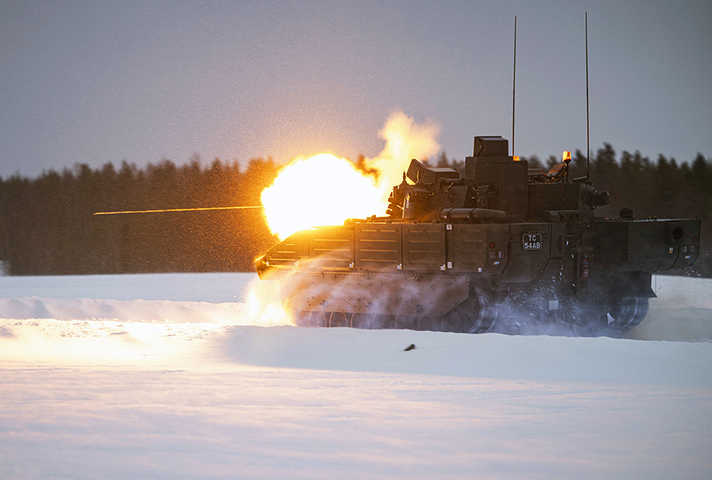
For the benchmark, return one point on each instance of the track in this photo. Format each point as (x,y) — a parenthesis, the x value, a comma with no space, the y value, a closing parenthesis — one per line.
(480,315)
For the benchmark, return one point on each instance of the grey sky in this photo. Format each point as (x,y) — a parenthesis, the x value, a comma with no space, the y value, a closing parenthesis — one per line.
(93,82)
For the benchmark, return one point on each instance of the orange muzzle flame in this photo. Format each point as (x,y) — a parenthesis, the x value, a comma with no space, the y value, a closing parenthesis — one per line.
(327,190)
(321,190)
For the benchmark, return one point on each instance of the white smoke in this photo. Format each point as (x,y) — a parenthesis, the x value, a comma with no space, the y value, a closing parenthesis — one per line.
(405,140)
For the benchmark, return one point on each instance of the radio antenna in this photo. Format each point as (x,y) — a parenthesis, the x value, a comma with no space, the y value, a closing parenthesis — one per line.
(588,149)
(514,79)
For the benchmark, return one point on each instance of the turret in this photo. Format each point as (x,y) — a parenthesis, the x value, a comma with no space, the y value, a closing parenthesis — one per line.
(431,191)
(496,188)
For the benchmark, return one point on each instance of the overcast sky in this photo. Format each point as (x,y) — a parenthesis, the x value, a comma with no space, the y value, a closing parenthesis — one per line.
(96,82)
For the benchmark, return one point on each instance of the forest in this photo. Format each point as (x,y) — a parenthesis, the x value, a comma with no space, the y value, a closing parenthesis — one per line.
(47,226)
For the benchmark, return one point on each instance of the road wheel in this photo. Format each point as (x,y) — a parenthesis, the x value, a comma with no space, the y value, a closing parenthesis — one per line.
(625,314)
(477,314)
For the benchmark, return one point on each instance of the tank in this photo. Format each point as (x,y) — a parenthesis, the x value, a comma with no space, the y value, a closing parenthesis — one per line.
(504,249)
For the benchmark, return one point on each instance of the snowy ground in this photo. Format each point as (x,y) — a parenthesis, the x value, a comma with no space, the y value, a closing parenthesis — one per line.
(173,376)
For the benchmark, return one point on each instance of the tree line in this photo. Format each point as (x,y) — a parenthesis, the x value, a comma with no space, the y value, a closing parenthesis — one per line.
(47,226)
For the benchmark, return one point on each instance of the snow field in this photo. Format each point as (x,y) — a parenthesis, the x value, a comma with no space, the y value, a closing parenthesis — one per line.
(122,377)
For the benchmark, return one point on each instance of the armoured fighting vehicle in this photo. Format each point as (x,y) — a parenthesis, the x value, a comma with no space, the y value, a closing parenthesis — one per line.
(503,248)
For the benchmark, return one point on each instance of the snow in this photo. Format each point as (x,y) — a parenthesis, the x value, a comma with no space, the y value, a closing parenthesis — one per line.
(176,376)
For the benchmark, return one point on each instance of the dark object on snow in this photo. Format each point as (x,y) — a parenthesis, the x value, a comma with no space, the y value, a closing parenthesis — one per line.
(502,249)
(409,347)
